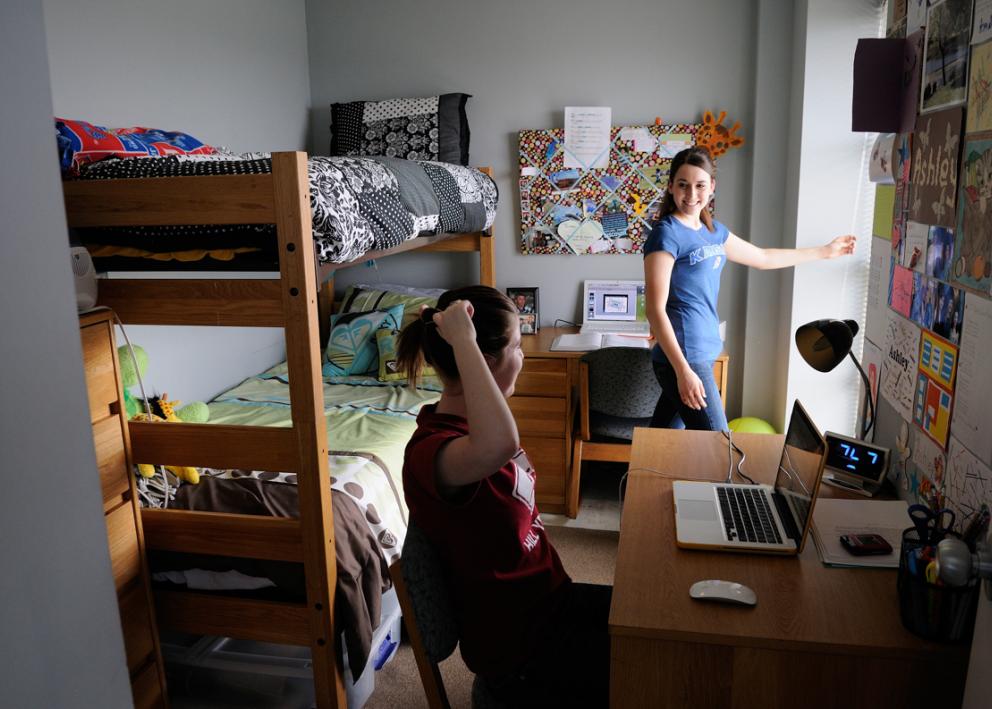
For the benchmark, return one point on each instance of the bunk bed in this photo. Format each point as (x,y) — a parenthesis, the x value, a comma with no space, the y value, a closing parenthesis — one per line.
(299,301)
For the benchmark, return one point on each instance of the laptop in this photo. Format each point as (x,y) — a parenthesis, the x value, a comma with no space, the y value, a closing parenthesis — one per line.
(757,518)
(614,306)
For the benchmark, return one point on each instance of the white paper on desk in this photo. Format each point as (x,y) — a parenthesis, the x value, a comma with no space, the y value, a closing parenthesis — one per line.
(833,517)
(587,136)
(590,341)
(877,315)
(972,420)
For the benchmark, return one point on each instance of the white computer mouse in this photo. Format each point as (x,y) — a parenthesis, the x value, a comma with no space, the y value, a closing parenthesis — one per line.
(723,592)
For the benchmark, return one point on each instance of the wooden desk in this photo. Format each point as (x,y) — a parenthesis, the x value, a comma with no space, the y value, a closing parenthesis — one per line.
(818,637)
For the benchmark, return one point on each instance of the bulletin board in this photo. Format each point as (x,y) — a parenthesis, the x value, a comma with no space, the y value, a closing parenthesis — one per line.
(601,210)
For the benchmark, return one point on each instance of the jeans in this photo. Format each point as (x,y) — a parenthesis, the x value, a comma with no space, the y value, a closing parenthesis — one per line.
(670,407)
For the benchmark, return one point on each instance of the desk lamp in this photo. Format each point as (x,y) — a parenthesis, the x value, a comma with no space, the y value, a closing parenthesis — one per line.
(824,344)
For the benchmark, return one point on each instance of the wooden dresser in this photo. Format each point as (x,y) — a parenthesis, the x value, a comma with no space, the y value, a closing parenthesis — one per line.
(543,404)
(121,510)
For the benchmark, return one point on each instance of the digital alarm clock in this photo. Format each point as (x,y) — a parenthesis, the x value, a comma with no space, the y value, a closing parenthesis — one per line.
(855,465)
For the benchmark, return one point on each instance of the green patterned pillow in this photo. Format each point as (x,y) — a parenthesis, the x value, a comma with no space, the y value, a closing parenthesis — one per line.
(351,348)
(388,371)
(364,298)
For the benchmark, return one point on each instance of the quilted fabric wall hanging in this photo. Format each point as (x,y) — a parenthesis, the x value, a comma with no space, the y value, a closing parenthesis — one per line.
(596,211)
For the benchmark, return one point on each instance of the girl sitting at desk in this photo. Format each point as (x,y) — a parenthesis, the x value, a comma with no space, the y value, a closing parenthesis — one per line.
(683,258)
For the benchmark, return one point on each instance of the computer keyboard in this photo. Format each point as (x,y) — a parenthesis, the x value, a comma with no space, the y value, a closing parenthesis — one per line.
(747,516)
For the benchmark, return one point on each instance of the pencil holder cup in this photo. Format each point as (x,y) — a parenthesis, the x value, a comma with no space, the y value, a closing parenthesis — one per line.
(929,608)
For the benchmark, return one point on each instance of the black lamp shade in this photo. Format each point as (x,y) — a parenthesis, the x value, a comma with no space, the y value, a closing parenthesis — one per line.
(825,343)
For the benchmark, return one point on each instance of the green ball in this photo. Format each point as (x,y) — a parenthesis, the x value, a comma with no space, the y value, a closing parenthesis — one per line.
(750,424)
(196,412)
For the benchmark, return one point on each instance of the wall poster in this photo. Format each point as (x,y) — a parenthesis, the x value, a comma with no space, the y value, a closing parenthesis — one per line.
(934,169)
(972,266)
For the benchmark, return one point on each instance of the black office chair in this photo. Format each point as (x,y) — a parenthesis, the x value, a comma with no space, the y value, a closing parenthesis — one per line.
(618,393)
(428,615)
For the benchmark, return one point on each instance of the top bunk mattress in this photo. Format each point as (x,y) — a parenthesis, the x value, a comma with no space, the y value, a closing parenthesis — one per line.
(358,204)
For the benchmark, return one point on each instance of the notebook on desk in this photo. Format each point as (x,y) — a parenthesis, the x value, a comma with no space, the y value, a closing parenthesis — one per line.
(614,307)
(589,341)
(757,518)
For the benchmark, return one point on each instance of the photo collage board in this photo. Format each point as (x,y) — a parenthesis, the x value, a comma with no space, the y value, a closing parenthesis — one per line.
(929,340)
(609,210)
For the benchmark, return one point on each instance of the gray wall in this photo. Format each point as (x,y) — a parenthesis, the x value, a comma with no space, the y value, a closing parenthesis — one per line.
(229,72)
(523,62)
(60,644)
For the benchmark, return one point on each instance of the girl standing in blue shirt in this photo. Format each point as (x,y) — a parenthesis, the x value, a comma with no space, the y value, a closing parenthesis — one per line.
(683,258)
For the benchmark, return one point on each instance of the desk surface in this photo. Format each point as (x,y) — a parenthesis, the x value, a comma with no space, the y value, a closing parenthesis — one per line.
(802,604)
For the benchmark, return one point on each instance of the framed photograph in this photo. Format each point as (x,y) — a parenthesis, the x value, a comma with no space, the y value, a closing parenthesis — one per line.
(527,304)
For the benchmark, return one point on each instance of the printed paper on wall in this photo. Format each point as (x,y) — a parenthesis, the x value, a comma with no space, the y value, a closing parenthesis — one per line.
(932,408)
(972,422)
(900,355)
(980,89)
(885,196)
(901,291)
(950,313)
(939,359)
(879,270)
(968,482)
(945,60)
(880,166)
(900,209)
(915,249)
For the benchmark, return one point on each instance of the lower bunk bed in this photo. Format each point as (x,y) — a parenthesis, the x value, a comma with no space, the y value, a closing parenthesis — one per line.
(369,422)
(277,424)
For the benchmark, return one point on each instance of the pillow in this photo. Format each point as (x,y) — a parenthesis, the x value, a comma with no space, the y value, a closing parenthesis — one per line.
(351,348)
(81,143)
(360,297)
(386,340)
(432,128)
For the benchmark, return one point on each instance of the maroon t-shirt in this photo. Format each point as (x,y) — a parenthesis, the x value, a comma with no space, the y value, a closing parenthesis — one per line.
(503,568)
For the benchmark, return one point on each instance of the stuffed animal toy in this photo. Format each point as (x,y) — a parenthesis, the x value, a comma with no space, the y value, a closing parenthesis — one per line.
(161,410)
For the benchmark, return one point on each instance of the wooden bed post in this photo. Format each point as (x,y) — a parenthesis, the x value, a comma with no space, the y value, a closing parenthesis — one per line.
(297,265)
(487,249)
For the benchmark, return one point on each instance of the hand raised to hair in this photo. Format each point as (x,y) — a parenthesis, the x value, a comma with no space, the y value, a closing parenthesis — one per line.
(454,323)
(841,246)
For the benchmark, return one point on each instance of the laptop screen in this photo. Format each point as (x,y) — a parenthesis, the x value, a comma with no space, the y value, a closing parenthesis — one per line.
(612,301)
(800,466)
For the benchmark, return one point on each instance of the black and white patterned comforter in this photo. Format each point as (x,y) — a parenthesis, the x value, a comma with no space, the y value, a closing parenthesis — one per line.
(359,204)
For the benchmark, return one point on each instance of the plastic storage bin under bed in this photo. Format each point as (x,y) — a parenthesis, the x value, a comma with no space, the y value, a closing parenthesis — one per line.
(228,672)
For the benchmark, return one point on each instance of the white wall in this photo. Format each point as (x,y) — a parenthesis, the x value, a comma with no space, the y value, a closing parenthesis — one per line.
(523,62)
(60,643)
(229,72)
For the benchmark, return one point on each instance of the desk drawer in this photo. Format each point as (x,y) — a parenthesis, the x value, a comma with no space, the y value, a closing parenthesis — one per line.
(101,379)
(539,416)
(547,455)
(110,460)
(542,377)
(122,536)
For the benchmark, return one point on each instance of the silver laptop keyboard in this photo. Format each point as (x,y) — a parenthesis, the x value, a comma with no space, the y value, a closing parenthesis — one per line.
(746,515)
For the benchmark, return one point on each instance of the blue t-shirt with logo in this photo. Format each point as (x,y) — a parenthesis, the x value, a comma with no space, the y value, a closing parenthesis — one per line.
(695,286)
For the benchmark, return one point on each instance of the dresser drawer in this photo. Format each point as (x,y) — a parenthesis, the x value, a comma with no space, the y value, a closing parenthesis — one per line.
(110,460)
(542,377)
(548,456)
(122,537)
(137,626)
(539,416)
(101,379)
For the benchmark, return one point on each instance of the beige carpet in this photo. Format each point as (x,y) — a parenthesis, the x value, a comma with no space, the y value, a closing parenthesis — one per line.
(589,556)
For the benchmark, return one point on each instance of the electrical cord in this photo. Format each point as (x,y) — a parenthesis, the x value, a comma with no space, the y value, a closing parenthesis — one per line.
(731,447)
(148,413)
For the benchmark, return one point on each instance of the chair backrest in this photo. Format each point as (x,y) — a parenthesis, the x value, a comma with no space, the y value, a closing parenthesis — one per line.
(428,614)
(622,382)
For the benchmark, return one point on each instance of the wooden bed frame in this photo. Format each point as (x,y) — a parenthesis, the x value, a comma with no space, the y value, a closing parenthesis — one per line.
(295,302)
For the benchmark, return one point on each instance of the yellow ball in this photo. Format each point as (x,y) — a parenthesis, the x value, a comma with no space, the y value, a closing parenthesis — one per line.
(750,424)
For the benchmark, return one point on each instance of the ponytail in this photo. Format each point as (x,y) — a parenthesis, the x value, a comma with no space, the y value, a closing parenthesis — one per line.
(420,343)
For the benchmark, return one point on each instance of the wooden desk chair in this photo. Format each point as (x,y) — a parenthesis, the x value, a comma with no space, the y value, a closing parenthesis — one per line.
(428,615)
(618,392)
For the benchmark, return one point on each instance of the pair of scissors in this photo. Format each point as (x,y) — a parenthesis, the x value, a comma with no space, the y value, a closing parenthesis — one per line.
(932,526)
